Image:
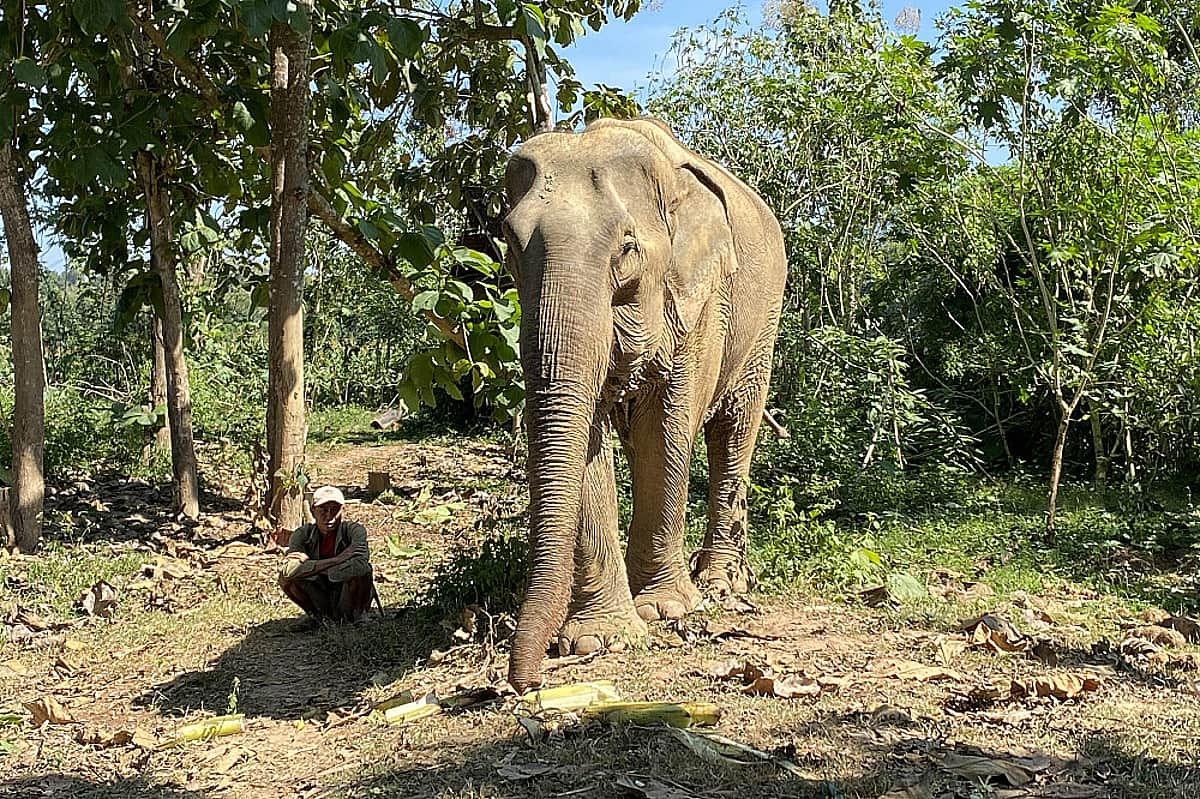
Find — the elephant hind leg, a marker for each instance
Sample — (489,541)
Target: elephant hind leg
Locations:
(721,566)
(601,614)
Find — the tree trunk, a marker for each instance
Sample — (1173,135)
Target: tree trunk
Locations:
(179,400)
(537,95)
(1067,410)
(158,386)
(1099,449)
(28,434)
(286,428)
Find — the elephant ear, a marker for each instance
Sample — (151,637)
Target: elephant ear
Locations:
(702,252)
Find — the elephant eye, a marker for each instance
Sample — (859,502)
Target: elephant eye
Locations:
(629,245)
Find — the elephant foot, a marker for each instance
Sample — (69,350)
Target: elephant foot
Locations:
(586,632)
(671,598)
(720,576)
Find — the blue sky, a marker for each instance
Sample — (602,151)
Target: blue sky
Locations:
(623,54)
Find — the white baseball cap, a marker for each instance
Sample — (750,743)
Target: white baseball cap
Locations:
(326,494)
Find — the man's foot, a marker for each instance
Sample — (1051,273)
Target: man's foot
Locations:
(305,624)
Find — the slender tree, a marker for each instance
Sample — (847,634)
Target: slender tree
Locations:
(163,261)
(28,435)
(286,430)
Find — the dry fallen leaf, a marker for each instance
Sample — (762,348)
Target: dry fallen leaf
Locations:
(784,687)
(978,766)
(719,630)
(1160,636)
(1043,652)
(1057,686)
(1037,618)
(886,714)
(13,667)
(99,600)
(102,737)
(646,788)
(47,709)
(911,670)
(949,648)
(1011,717)
(920,790)
(1154,615)
(996,633)
(1186,627)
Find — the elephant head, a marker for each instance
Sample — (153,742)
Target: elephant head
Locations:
(617,239)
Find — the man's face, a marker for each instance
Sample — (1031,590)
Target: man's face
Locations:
(327,514)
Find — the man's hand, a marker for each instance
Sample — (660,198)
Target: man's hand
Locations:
(300,557)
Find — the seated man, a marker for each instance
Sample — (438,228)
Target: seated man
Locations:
(327,571)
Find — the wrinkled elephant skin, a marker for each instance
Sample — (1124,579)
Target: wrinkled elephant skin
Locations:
(651,282)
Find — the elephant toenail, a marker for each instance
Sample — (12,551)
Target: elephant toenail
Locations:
(587,644)
(648,612)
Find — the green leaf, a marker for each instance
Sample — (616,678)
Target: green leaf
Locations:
(904,587)
(28,72)
(415,248)
(94,16)
(367,229)
(532,22)
(257,16)
(260,295)
(5,298)
(425,301)
(406,37)
(242,118)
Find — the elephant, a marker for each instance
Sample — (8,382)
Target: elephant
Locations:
(651,282)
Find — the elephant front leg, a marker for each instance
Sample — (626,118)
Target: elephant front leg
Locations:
(601,614)
(658,442)
(721,566)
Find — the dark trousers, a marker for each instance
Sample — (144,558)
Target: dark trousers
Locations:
(322,598)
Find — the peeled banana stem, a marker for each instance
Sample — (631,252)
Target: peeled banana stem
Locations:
(570,697)
(676,714)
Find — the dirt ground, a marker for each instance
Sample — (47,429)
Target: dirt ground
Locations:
(825,698)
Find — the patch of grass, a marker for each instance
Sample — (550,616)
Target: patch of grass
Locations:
(61,573)
(1112,542)
(343,423)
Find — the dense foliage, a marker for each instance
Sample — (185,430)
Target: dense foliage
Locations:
(993,240)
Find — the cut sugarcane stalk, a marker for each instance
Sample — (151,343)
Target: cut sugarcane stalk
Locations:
(570,697)
(209,728)
(676,714)
(411,711)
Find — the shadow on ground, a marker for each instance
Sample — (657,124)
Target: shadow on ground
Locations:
(116,508)
(596,761)
(589,761)
(281,672)
(62,786)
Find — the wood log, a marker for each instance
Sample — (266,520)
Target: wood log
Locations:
(387,419)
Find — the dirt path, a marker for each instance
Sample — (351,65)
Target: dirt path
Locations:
(852,701)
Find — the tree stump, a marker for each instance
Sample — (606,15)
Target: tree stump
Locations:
(378,482)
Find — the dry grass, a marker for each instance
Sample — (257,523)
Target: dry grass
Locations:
(217,637)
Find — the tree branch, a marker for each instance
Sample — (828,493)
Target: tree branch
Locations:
(317,204)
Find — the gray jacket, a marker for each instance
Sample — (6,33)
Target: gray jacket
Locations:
(307,539)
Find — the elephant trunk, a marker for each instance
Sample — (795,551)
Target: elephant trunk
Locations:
(565,344)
